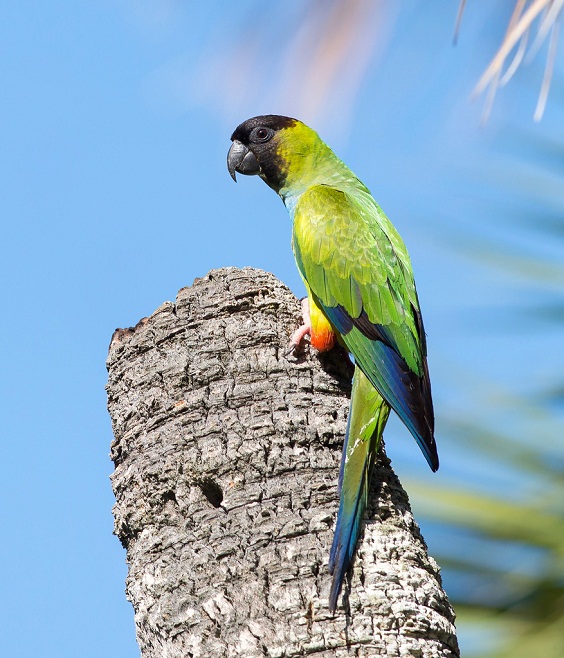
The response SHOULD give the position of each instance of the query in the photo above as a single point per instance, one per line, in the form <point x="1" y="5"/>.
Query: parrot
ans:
<point x="360" y="293"/>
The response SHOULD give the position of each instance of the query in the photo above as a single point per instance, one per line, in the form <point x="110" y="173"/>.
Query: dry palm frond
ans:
<point x="522" y="19"/>
<point x="458" y="20"/>
<point x="547" y="72"/>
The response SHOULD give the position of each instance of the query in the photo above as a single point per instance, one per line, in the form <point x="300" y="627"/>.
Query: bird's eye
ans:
<point x="261" y="134"/>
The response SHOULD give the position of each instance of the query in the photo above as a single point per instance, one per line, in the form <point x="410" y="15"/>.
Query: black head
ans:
<point x="259" y="130"/>
<point x="254" y="148"/>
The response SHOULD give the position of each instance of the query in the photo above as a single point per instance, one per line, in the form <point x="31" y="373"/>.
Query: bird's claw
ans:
<point x="291" y="350"/>
<point x="297" y="338"/>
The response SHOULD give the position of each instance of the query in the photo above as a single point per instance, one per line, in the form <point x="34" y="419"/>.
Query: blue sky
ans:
<point x="114" y="194"/>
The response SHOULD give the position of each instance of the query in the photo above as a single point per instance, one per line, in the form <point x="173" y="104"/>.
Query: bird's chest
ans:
<point x="323" y="228"/>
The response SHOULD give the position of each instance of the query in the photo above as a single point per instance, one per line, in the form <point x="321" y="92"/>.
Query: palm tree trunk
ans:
<point x="226" y="457"/>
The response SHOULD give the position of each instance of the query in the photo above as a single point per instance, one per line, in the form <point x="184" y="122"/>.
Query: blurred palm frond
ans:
<point x="546" y="13"/>
<point x="502" y="554"/>
<point x="498" y="522"/>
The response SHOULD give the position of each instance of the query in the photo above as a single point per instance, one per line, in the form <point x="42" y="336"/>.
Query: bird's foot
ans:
<point x="302" y="331"/>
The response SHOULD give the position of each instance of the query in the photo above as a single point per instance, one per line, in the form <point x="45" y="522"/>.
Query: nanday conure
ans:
<point x="360" y="287"/>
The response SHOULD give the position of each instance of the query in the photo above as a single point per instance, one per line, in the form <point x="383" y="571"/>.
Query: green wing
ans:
<point x="359" y="272"/>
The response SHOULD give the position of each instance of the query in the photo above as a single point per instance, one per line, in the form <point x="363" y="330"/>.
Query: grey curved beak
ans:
<point x="240" y="159"/>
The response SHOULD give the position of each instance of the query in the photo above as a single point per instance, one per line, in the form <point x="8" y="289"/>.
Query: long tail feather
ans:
<point x="367" y="418"/>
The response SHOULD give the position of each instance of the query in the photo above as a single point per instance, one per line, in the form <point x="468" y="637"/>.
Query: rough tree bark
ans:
<point x="226" y="458"/>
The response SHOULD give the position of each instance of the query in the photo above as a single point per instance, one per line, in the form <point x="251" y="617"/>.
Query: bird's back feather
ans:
<point x="359" y="273"/>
